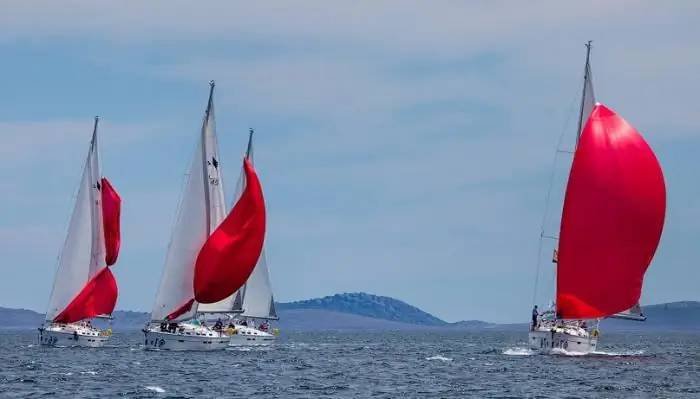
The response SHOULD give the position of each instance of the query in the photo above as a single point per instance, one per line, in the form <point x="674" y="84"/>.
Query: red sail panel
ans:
<point x="613" y="217"/>
<point x="111" y="212"/>
<point x="186" y="307"/>
<point x="230" y="254"/>
<point x="98" y="297"/>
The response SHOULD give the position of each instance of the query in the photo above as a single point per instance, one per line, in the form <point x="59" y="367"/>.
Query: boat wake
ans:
<point x="639" y="353"/>
<point x="519" y="352"/>
<point x="562" y="352"/>
<point x="438" y="357"/>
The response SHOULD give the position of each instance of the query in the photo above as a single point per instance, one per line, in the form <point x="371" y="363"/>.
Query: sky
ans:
<point x="405" y="147"/>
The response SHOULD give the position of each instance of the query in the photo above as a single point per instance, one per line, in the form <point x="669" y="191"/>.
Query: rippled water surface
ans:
<point x="357" y="365"/>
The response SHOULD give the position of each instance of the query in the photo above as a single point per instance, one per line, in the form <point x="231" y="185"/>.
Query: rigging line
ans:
<point x="549" y="196"/>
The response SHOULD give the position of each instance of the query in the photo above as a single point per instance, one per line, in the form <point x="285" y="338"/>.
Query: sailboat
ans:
<point x="254" y="302"/>
<point x="211" y="253"/>
<point x="611" y="225"/>
<point x="84" y="286"/>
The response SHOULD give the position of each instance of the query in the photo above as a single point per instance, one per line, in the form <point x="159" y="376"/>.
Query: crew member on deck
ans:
<point x="535" y="313"/>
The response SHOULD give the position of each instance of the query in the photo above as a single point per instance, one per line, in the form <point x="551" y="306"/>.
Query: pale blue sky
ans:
<point x="404" y="147"/>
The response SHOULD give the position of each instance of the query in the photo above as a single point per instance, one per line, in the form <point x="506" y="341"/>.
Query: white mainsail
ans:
<point x="258" y="300"/>
<point x="192" y="226"/>
<point x="217" y="198"/>
<point x="83" y="251"/>
<point x="255" y="298"/>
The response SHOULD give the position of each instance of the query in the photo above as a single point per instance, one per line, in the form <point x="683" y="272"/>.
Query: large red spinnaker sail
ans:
<point x="111" y="211"/>
<point x="99" y="296"/>
<point x="613" y="217"/>
<point x="231" y="252"/>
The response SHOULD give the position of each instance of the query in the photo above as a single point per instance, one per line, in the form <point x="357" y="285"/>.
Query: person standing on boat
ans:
<point x="535" y="314"/>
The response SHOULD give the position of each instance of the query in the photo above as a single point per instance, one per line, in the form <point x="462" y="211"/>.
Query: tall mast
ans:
<point x="250" y="143"/>
<point x="97" y="147"/>
<point x="586" y="76"/>
<point x="205" y="169"/>
<point x="94" y="132"/>
<point x="94" y="180"/>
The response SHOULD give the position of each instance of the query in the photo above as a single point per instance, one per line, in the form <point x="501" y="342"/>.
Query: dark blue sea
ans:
<point x="357" y="365"/>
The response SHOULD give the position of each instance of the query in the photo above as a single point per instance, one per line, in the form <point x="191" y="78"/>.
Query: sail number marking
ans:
<point x="561" y="344"/>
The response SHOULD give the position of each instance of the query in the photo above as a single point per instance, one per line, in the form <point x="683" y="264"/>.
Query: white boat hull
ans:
<point x="546" y="340"/>
<point x="187" y="338"/>
<point x="251" y="336"/>
<point x="71" y="335"/>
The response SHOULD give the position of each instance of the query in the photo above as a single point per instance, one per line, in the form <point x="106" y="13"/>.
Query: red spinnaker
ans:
<point x="99" y="296"/>
<point x="111" y="211"/>
<point x="230" y="254"/>
<point x="613" y="217"/>
<point x="186" y="307"/>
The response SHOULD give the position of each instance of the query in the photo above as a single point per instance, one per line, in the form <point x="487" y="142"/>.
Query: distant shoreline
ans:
<point x="362" y="311"/>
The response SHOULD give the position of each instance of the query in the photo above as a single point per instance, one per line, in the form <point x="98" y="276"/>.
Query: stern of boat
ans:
<point x="546" y="341"/>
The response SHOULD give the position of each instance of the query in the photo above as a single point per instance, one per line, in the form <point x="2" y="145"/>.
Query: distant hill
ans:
<point x="19" y="318"/>
<point x="674" y="316"/>
<point x="368" y="305"/>
<point x="361" y="311"/>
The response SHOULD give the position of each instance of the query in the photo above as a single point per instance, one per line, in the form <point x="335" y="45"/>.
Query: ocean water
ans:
<point x="357" y="365"/>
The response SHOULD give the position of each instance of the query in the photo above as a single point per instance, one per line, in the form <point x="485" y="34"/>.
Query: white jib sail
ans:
<point x="74" y="265"/>
<point x="188" y="236"/>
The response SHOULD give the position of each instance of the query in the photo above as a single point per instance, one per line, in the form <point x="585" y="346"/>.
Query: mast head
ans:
<point x="94" y="127"/>
<point x="250" y="142"/>
<point x="211" y="83"/>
